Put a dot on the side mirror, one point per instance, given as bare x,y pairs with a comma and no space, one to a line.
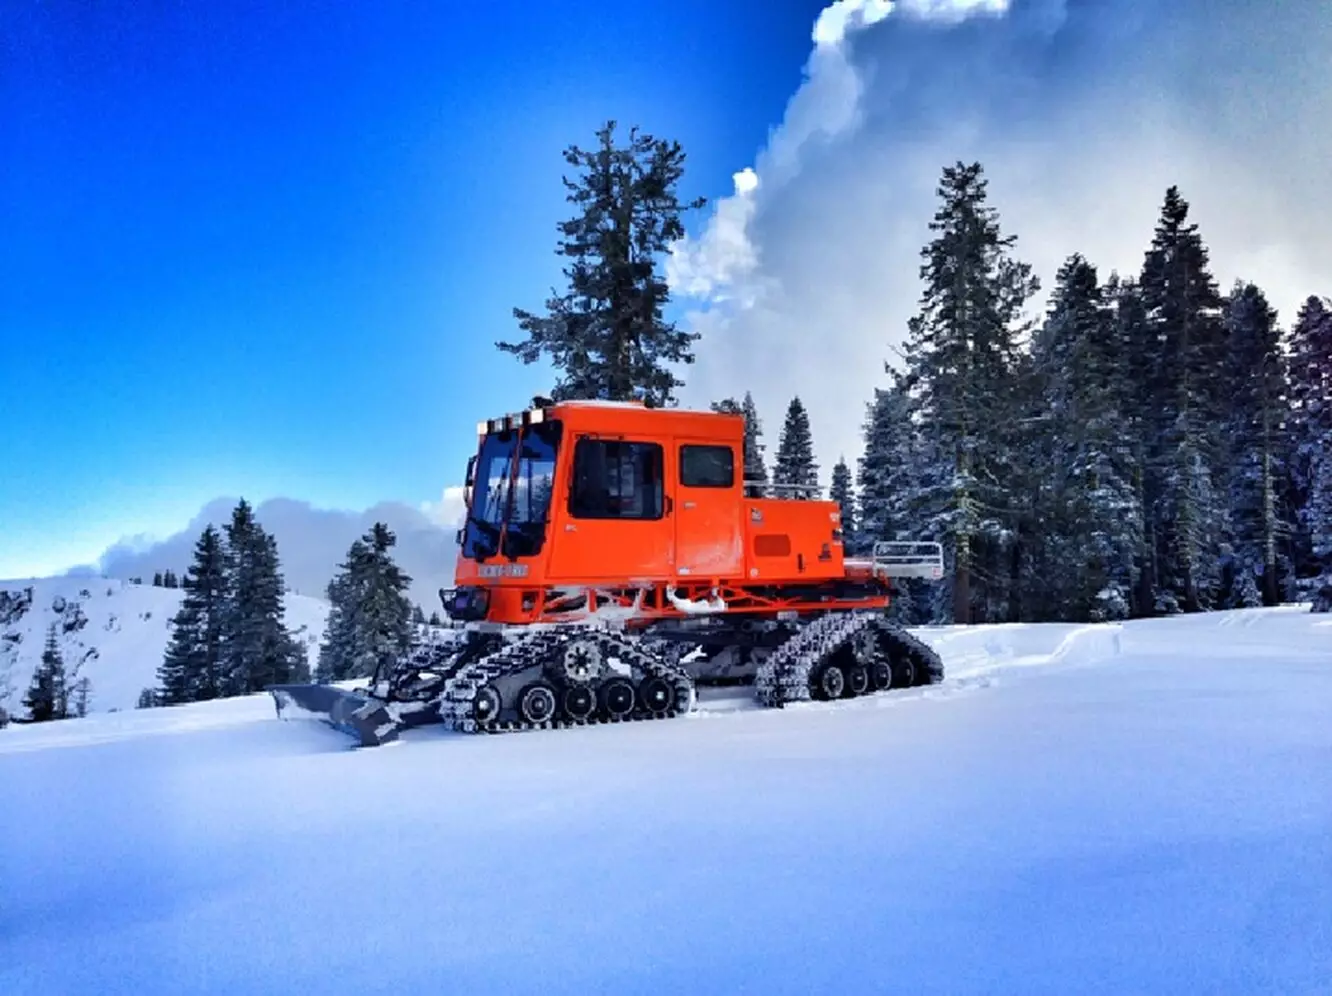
471,471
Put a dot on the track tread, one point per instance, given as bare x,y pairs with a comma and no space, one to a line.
529,649
785,675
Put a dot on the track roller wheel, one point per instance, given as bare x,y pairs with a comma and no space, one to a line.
656,695
857,680
829,682
617,697
578,702
684,697
881,676
486,705
537,703
904,671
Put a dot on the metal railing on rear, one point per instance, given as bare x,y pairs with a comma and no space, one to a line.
766,489
908,559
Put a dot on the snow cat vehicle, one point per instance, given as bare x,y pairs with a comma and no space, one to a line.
612,560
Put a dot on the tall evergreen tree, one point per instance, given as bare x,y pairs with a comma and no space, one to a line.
370,617
1092,524
756,471
1311,433
961,353
1257,458
606,334
885,470
842,492
258,649
1185,380
192,667
756,467
796,467
47,697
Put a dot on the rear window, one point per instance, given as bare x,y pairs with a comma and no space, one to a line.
707,466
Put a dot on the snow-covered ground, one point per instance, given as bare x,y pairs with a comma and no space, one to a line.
1075,810
111,632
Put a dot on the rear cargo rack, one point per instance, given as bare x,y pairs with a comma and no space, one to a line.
908,559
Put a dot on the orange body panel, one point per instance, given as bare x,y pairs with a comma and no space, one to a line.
642,501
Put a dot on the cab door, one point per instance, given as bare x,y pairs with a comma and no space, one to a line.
709,538
615,525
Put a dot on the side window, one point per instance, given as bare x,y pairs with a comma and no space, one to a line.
707,466
616,480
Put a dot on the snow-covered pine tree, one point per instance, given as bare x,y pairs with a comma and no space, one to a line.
1185,379
1258,455
258,650
842,492
370,619
960,354
606,335
1092,526
191,668
884,470
796,469
756,470
1311,433
888,494
338,650
47,697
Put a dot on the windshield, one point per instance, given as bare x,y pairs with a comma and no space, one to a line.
523,508
533,486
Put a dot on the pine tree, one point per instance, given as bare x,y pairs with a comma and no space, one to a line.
47,695
157,580
756,470
606,334
370,616
418,616
885,470
258,650
1184,378
796,469
1092,522
1311,433
1257,460
841,491
192,667
435,620
961,354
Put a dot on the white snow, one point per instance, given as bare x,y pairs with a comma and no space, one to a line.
120,645
1143,807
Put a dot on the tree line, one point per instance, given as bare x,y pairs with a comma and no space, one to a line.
229,636
1149,445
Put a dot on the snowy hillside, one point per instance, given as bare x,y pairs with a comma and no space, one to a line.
1076,809
110,631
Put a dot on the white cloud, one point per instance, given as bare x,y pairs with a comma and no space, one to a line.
312,542
805,277
449,512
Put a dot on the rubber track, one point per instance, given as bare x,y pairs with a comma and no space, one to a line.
784,676
530,649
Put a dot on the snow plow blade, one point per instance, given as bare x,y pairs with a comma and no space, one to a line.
362,716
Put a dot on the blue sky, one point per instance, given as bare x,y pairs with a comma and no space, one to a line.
266,249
